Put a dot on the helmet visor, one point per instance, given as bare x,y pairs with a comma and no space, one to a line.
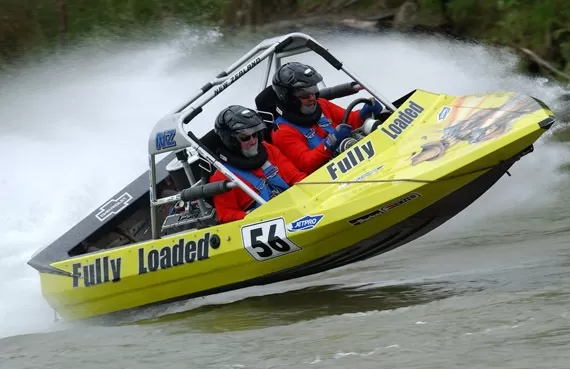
246,134
305,92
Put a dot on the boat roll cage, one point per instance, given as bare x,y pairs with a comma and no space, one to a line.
169,134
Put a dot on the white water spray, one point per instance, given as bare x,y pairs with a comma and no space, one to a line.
75,128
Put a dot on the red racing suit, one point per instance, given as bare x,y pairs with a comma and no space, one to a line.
232,205
293,144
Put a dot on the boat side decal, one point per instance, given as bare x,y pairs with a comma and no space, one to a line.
354,156
362,176
405,119
267,240
101,270
443,113
237,76
165,139
384,209
305,223
183,252
475,120
113,206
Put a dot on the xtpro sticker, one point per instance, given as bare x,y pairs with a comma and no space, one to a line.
305,223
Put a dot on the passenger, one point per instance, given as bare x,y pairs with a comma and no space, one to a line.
308,128
259,164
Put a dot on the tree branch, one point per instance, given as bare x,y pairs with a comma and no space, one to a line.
544,63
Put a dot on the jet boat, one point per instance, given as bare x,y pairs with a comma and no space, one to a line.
402,175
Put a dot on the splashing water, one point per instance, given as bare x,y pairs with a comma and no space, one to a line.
75,128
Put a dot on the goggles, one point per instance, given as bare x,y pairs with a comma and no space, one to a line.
245,135
306,92
244,138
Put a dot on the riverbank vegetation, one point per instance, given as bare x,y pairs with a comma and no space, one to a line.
537,29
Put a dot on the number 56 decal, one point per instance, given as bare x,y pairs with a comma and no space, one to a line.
267,240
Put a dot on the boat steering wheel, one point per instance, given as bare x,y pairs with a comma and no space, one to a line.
369,125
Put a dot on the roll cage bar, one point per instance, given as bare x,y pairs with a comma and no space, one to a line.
169,134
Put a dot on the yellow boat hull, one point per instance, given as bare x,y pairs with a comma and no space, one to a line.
428,161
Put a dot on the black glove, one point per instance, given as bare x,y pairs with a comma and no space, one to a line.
334,139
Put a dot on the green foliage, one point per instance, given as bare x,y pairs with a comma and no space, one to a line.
473,17
529,24
540,25
430,6
565,50
32,22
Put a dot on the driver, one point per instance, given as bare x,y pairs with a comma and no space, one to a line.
259,164
308,127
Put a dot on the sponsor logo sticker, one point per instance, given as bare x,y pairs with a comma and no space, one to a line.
362,176
165,139
113,206
305,223
384,209
443,113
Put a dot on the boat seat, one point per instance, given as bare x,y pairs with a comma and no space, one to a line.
266,101
200,168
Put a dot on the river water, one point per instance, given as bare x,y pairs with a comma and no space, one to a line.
489,289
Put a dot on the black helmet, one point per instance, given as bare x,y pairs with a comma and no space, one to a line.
291,77
238,119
